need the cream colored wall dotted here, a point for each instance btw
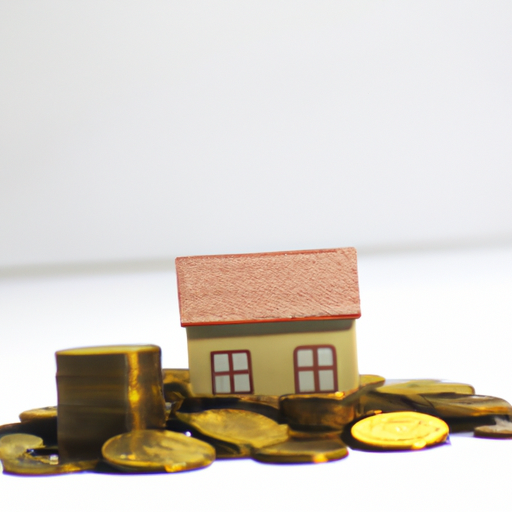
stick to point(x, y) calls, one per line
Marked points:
point(271, 347)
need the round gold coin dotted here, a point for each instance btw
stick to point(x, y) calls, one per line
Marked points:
point(371, 380)
point(302, 451)
point(157, 451)
point(39, 465)
point(43, 413)
point(14, 445)
point(400, 430)
point(237, 427)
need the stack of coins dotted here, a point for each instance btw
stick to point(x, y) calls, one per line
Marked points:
point(106, 391)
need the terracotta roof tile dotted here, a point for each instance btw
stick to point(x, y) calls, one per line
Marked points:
point(268, 287)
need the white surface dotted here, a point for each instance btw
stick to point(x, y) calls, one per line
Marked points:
point(141, 130)
point(440, 315)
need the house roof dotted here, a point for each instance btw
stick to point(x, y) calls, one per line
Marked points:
point(268, 287)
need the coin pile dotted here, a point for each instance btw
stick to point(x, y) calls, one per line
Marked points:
point(112, 417)
point(106, 391)
point(452, 402)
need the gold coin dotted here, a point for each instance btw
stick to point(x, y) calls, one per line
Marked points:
point(176, 384)
point(423, 386)
point(14, 445)
point(28, 464)
point(328, 411)
point(502, 430)
point(310, 435)
point(371, 380)
point(454, 405)
point(238, 427)
point(157, 451)
point(301, 451)
point(43, 413)
point(266, 405)
point(40, 429)
point(400, 430)
point(393, 402)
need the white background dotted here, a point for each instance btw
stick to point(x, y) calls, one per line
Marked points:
point(141, 131)
point(135, 132)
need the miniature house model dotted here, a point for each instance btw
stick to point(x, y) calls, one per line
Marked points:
point(271, 323)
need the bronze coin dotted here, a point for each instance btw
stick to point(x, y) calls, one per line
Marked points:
point(502, 430)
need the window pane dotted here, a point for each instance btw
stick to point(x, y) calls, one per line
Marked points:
point(242, 383)
point(305, 357)
point(220, 363)
point(306, 381)
point(326, 379)
point(325, 357)
point(240, 361)
point(222, 384)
